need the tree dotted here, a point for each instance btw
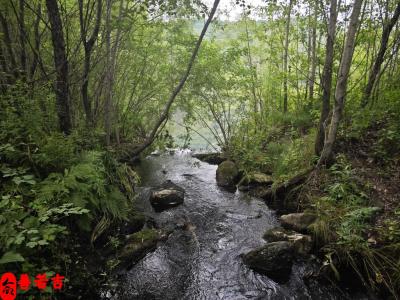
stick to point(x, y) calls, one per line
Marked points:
point(88, 49)
point(326, 81)
point(286, 56)
point(109, 76)
point(313, 54)
point(341, 85)
point(61, 66)
point(150, 138)
point(387, 28)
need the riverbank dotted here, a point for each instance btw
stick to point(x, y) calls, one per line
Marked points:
point(355, 202)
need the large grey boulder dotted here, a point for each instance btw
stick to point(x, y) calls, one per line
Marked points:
point(274, 260)
point(166, 196)
point(298, 221)
point(227, 175)
point(302, 243)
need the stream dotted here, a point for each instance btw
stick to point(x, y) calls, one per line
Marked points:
point(201, 260)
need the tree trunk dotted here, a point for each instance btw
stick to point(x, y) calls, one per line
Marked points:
point(285, 58)
point(341, 85)
point(88, 47)
point(61, 66)
point(22, 36)
point(313, 55)
point(8, 44)
point(149, 140)
point(35, 59)
point(380, 57)
point(326, 81)
point(108, 100)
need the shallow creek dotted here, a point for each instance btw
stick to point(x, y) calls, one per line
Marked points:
point(202, 259)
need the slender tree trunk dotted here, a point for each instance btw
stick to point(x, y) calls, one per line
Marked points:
point(313, 55)
point(326, 81)
point(285, 58)
point(8, 44)
point(253, 71)
point(61, 66)
point(341, 85)
point(380, 57)
point(22, 36)
point(108, 100)
point(309, 34)
point(35, 59)
point(149, 140)
point(88, 49)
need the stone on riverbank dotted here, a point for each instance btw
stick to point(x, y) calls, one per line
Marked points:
point(256, 183)
point(302, 243)
point(211, 158)
point(139, 244)
point(255, 179)
point(298, 221)
point(227, 175)
point(166, 196)
point(274, 260)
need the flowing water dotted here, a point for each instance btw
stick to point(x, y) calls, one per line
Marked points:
point(201, 260)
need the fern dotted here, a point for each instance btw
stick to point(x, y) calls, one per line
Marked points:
point(86, 185)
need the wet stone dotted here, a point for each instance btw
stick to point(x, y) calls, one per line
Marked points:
point(166, 196)
point(274, 260)
point(298, 221)
point(302, 243)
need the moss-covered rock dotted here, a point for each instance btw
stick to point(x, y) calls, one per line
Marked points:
point(256, 183)
point(227, 174)
point(298, 221)
point(139, 244)
point(274, 260)
point(255, 179)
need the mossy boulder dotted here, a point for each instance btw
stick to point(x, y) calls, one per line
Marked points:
point(255, 179)
point(256, 183)
point(139, 244)
point(298, 221)
point(302, 243)
point(274, 260)
point(227, 175)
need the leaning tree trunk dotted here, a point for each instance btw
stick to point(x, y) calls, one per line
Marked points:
point(341, 85)
point(380, 57)
point(285, 58)
point(327, 77)
point(149, 140)
point(61, 66)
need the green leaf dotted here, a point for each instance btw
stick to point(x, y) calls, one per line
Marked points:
point(10, 256)
point(31, 244)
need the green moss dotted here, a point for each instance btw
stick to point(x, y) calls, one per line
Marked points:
point(144, 235)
